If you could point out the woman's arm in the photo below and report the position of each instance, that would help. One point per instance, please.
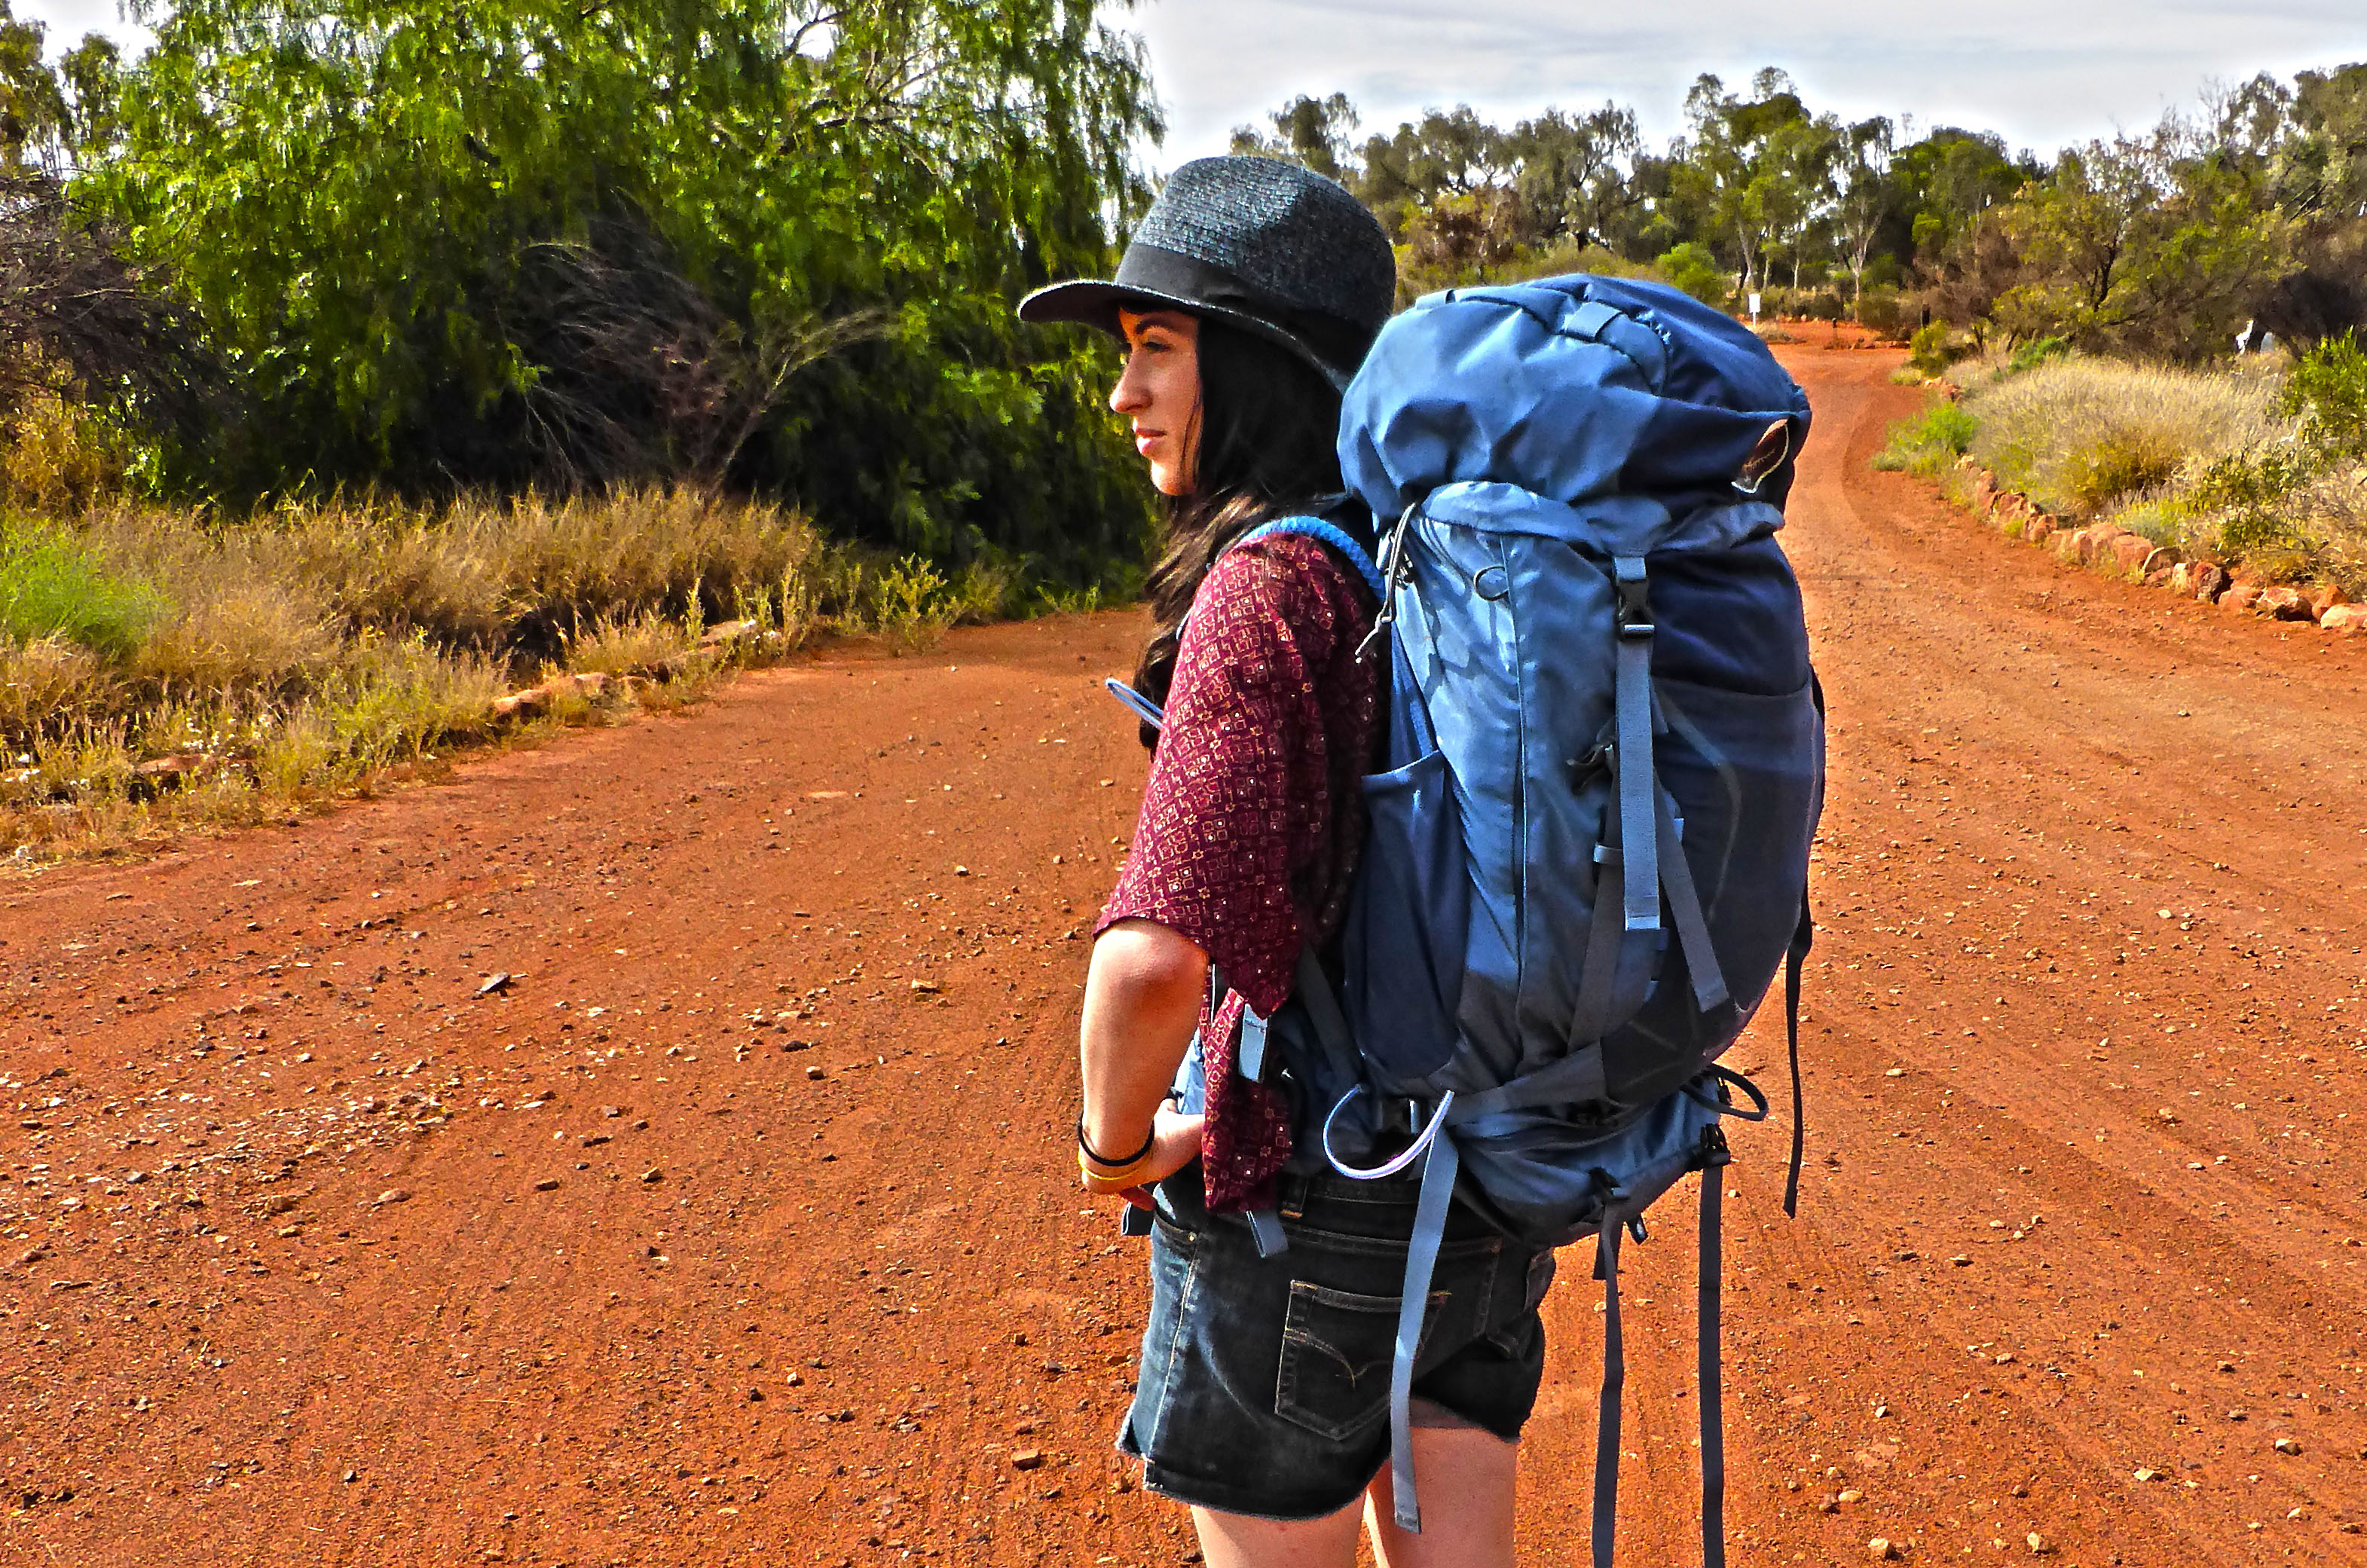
(1143, 1002)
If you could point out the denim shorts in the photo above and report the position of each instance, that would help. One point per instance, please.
(1265, 1382)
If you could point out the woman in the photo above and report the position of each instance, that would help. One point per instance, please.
(1245, 304)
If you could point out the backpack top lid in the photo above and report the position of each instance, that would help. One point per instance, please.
(1617, 413)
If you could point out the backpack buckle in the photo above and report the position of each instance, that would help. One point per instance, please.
(1634, 615)
(1715, 1151)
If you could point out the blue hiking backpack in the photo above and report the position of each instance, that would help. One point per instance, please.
(1589, 847)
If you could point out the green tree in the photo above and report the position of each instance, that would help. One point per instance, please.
(1451, 151)
(1865, 197)
(32, 106)
(1313, 131)
(773, 244)
(1943, 184)
(1748, 174)
(1571, 175)
(2148, 244)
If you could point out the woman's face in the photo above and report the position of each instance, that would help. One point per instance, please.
(1159, 394)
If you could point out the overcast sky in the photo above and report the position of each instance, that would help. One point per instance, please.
(2040, 72)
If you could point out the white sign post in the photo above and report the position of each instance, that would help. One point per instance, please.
(1754, 307)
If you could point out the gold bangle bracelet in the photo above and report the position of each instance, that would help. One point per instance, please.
(1111, 1178)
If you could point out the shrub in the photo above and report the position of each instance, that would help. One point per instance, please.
(1928, 445)
(2036, 353)
(2120, 462)
(54, 456)
(2326, 391)
(1882, 311)
(1931, 350)
(50, 586)
(1692, 267)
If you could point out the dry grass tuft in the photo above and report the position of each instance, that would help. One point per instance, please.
(263, 666)
(2081, 436)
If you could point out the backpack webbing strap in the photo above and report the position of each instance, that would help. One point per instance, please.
(1266, 1229)
(1249, 1050)
(1713, 1413)
(1684, 907)
(1802, 940)
(1422, 1259)
(1602, 1005)
(1313, 988)
(1633, 724)
(1575, 1079)
(1614, 1381)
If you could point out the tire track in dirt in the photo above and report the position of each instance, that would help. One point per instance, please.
(2028, 764)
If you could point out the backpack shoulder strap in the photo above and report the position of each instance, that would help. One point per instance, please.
(1358, 556)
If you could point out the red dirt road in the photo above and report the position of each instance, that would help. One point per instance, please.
(738, 1227)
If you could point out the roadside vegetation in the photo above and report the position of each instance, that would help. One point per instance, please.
(2260, 466)
(157, 671)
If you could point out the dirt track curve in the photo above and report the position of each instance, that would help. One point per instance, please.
(737, 1228)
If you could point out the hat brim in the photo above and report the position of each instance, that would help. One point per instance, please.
(1095, 302)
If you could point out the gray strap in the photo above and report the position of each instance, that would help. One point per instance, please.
(1614, 1381)
(1684, 907)
(1596, 1012)
(1322, 1005)
(1603, 1003)
(1713, 1414)
(1266, 1229)
(1248, 1056)
(1632, 760)
(1422, 1259)
(1575, 1079)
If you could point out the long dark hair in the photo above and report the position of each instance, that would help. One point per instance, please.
(1269, 448)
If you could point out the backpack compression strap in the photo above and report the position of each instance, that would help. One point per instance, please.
(1802, 938)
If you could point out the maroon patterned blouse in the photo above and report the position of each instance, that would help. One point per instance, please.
(1251, 821)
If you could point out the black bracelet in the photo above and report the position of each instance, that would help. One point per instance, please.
(1114, 1164)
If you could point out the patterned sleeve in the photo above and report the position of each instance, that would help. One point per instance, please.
(1238, 799)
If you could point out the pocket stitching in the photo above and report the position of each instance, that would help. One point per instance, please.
(1296, 1338)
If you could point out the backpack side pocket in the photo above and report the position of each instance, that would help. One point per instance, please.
(1409, 920)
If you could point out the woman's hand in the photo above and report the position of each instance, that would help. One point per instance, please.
(1174, 1144)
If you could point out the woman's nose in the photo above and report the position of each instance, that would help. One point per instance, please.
(1129, 394)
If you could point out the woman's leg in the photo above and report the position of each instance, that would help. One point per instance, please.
(1466, 1518)
(1234, 1540)
(1466, 1503)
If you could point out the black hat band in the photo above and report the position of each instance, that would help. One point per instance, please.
(1174, 275)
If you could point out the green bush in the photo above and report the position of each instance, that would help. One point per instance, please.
(1931, 443)
(1929, 349)
(1692, 267)
(2123, 461)
(1882, 311)
(757, 248)
(2036, 353)
(2328, 392)
(50, 588)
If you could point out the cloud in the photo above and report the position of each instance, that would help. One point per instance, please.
(68, 20)
(2039, 72)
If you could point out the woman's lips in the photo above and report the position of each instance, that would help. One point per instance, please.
(1144, 440)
